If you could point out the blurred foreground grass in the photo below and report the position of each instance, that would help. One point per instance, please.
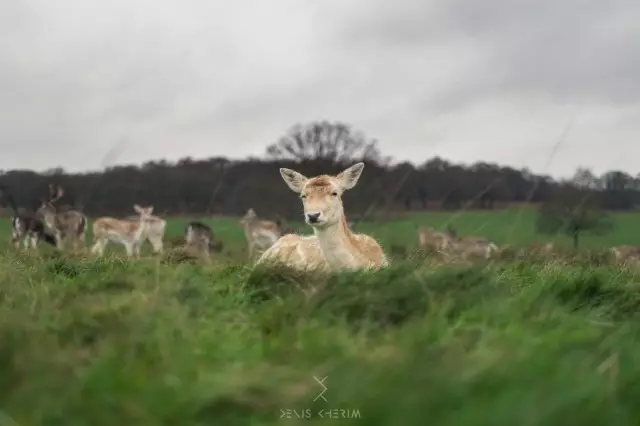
(107, 342)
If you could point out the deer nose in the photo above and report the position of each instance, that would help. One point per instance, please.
(313, 217)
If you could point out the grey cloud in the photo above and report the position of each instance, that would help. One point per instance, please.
(199, 79)
(573, 50)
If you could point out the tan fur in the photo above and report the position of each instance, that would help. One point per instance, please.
(155, 232)
(129, 233)
(333, 246)
(473, 247)
(431, 239)
(260, 234)
(626, 253)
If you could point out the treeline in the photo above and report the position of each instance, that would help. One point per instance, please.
(222, 186)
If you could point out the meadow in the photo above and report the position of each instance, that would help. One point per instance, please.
(87, 341)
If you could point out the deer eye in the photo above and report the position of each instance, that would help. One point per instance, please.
(334, 194)
(303, 196)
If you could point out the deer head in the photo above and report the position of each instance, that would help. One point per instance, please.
(322, 195)
(144, 212)
(47, 206)
(248, 216)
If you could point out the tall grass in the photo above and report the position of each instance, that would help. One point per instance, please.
(104, 342)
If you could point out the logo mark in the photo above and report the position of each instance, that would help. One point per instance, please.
(324, 388)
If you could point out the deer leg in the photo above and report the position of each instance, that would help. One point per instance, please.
(34, 241)
(98, 246)
(59, 240)
(129, 248)
(251, 250)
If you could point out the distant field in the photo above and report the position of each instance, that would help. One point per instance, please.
(504, 227)
(514, 227)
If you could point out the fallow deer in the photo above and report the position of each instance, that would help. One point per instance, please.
(282, 225)
(430, 239)
(333, 246)
(471, 245)
(26, 226)
(199, 238)
(260, 234)
(156, 228)
(626, 254)
(65, 225)
(131, 234)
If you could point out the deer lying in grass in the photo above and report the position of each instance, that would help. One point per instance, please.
(430, 239)
(626, 254)
(333, 245)
(131, 234)
(260, 234)
(26, 227)
(156, 227)
(70, 224)
(470, 246)
(199, 238)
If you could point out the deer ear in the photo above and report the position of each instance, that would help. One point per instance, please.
(137, 208)
(349, 177)
(149, 209)
(294, 180)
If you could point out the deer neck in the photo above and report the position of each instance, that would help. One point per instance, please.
(49, 217)
(336, 243)
(142, 228)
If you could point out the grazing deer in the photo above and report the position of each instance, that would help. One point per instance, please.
(471, 246)
(429, 238)
(156, 227)
(282, 225)
(260, 234)
(64, 225)
(131, 234)
(199, 237)
(26, 226)
(333, 245)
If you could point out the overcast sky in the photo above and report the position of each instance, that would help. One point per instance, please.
(494, 80)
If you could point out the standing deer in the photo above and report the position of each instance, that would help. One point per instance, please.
(70, 224)
(333, 246)
(26, 226)
(156, 227)
(199, 237)
(260, 234)
(130, 234)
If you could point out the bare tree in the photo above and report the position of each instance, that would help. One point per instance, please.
(572, 212)
(335, 142)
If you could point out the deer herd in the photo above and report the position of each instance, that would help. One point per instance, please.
(332, 246)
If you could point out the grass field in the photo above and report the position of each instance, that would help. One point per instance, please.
(535, 342)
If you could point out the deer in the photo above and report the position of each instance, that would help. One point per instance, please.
(429, 238)
(64, 225)
(471, 245)
(333, 246)
(199, 237)
(156, 227)
(626, 254)
(26, 227)
(131, 234)
(260, 234)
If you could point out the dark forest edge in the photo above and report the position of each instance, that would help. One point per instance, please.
(224, 187)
